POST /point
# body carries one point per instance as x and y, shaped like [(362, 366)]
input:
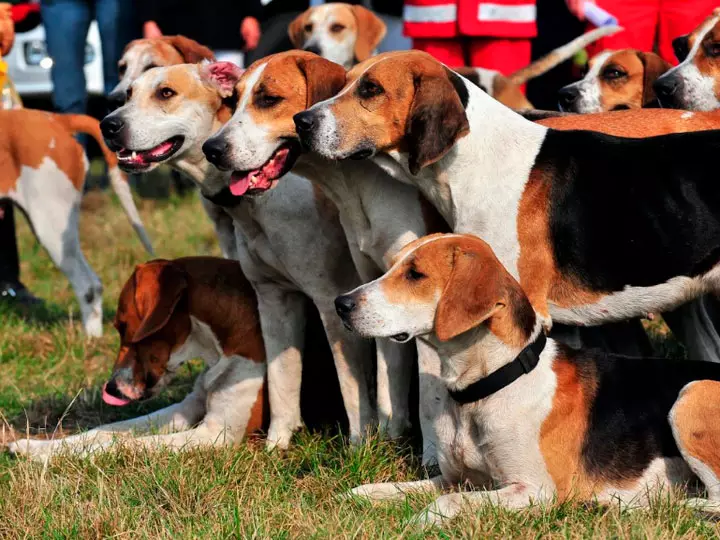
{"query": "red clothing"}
[(504, 55), (641, 18)]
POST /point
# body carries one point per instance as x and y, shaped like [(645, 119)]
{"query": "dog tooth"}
[(134, 155)]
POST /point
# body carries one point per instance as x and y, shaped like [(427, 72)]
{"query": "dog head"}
[(170, 112), (343, 33), (615, 80), (401, 101), (153, 322), (143, 54), (260, 143), (440, 287), (695, 83)]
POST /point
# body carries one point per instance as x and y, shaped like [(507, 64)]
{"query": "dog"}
[(615, 80), (290, 243), (377, 216), (343, 33), (692, 84), (44, 171), (539, 197), (525, 419), (143, 54), (168, 313)]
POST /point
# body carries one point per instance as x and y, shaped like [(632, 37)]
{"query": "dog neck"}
[(193, 163)]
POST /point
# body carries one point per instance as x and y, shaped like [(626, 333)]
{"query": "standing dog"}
[(539, 197), (43, 172), (290, 243), (527, 420), (168, 313)]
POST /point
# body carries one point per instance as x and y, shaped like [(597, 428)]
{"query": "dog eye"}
[(149, 66), (335, 28), (128, 94), (122, 68), (612, 73), (308, 28), (265, 101), (368, 89), (414, 275), (166, 93), (713, 49)]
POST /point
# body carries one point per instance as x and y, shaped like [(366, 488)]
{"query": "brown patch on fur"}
[(509, 94), (707, 64), (260, 413), (694, 418), (625, 90)]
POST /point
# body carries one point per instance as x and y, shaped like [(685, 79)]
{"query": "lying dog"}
[(615, 80), (44, 171), (693, 84), (168, 313), (526, 420), (541, 198)]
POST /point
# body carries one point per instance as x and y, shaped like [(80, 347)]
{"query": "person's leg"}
[(503, 55), (11, 289), (115, 22), (66, 25), (639, 18), (677, 18), (449, 51)]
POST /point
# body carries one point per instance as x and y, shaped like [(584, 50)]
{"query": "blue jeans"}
[(66, 26)]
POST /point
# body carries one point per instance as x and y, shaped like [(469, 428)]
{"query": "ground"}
[(50, 378)]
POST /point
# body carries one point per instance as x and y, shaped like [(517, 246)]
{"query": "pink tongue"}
[(112, 400), (161, 149), (239, 184)]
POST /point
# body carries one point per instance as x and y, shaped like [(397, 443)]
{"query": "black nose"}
[(665, 87), (344, 305), (112, 389), (313, 49), (111, 126), (214, 150), (304, 121), (115, 100), (567, 96)]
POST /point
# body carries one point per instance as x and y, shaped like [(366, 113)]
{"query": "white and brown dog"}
[(615, 80), (43, 173), (290, 243), (539, 197), (170, 312), (694, 84), (525, 419)]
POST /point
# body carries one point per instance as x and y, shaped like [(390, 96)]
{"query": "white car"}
[(29, 64)]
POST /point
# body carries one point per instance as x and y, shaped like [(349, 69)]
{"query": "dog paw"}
[(35, 449), (93, 327), (438, 512)]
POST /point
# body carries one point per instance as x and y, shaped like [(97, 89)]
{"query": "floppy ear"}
[(653, 67), (296, 31), (163, 292), (437, 119), (324, 78), (223, 76), (191, 51), (370, 32), (472, 295)]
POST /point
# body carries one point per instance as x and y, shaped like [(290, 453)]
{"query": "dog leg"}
[(430, 399), (394, 370), (224, 228), (352, 357), (282, 319), (394, 491)]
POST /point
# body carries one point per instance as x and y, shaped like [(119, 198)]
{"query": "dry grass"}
[(46, 363)]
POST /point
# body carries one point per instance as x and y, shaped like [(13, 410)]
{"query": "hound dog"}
[(525, 419), (168, 313), (43, 173), (615, 80), (539, 197), (290, 243), (378, 216), (693, 84)]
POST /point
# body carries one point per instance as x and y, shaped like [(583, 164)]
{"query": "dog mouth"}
[(140, 160), (265, 177), (402, 337)]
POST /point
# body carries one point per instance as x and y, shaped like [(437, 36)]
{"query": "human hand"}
[(577, 7), (250, 32), (151, 30)]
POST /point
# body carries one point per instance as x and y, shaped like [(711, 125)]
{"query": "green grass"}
[(49, 372)]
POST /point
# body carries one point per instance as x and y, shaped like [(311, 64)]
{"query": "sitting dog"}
[(168, 313), (615, 80), (44, 171), (524, 418)]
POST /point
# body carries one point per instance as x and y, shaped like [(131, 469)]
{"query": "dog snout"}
[(215, 150), (313, 49), (567, 96), (665, 87), (115, 100), (344, 305), (112, 126), (304, 121)]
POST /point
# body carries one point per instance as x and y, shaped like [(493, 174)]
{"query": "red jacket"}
[(453, 18)]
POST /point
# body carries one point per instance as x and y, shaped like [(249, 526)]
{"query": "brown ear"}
[(472, 295), (191, 51), (296, 29), (437, 119), (370, 32), (653, 67), (324, 78), (159, 291)]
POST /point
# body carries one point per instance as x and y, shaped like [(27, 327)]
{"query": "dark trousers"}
[(9, 261)]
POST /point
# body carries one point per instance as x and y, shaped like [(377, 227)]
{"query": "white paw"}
[(278, 438), (93, 326), (444, 508), (35, 449)]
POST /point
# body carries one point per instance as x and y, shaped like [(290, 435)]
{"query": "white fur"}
[(588, 100), (340, 51)]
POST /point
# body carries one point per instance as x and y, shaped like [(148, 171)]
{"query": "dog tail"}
[(559, 55), (81, 123)]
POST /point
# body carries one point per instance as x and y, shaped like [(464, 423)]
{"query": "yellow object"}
[(9, 98)]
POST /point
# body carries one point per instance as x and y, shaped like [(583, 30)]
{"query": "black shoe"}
[(17, 293)]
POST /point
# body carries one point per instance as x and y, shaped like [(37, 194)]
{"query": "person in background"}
[(494, 35), (647, 22), (275, 16)]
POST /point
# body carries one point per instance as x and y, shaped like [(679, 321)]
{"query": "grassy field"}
[(49, 372)]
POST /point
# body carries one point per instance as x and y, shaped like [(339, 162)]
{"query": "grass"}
[(49, 372)]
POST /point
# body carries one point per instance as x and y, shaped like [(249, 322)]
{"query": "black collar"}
[(499, 379)]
